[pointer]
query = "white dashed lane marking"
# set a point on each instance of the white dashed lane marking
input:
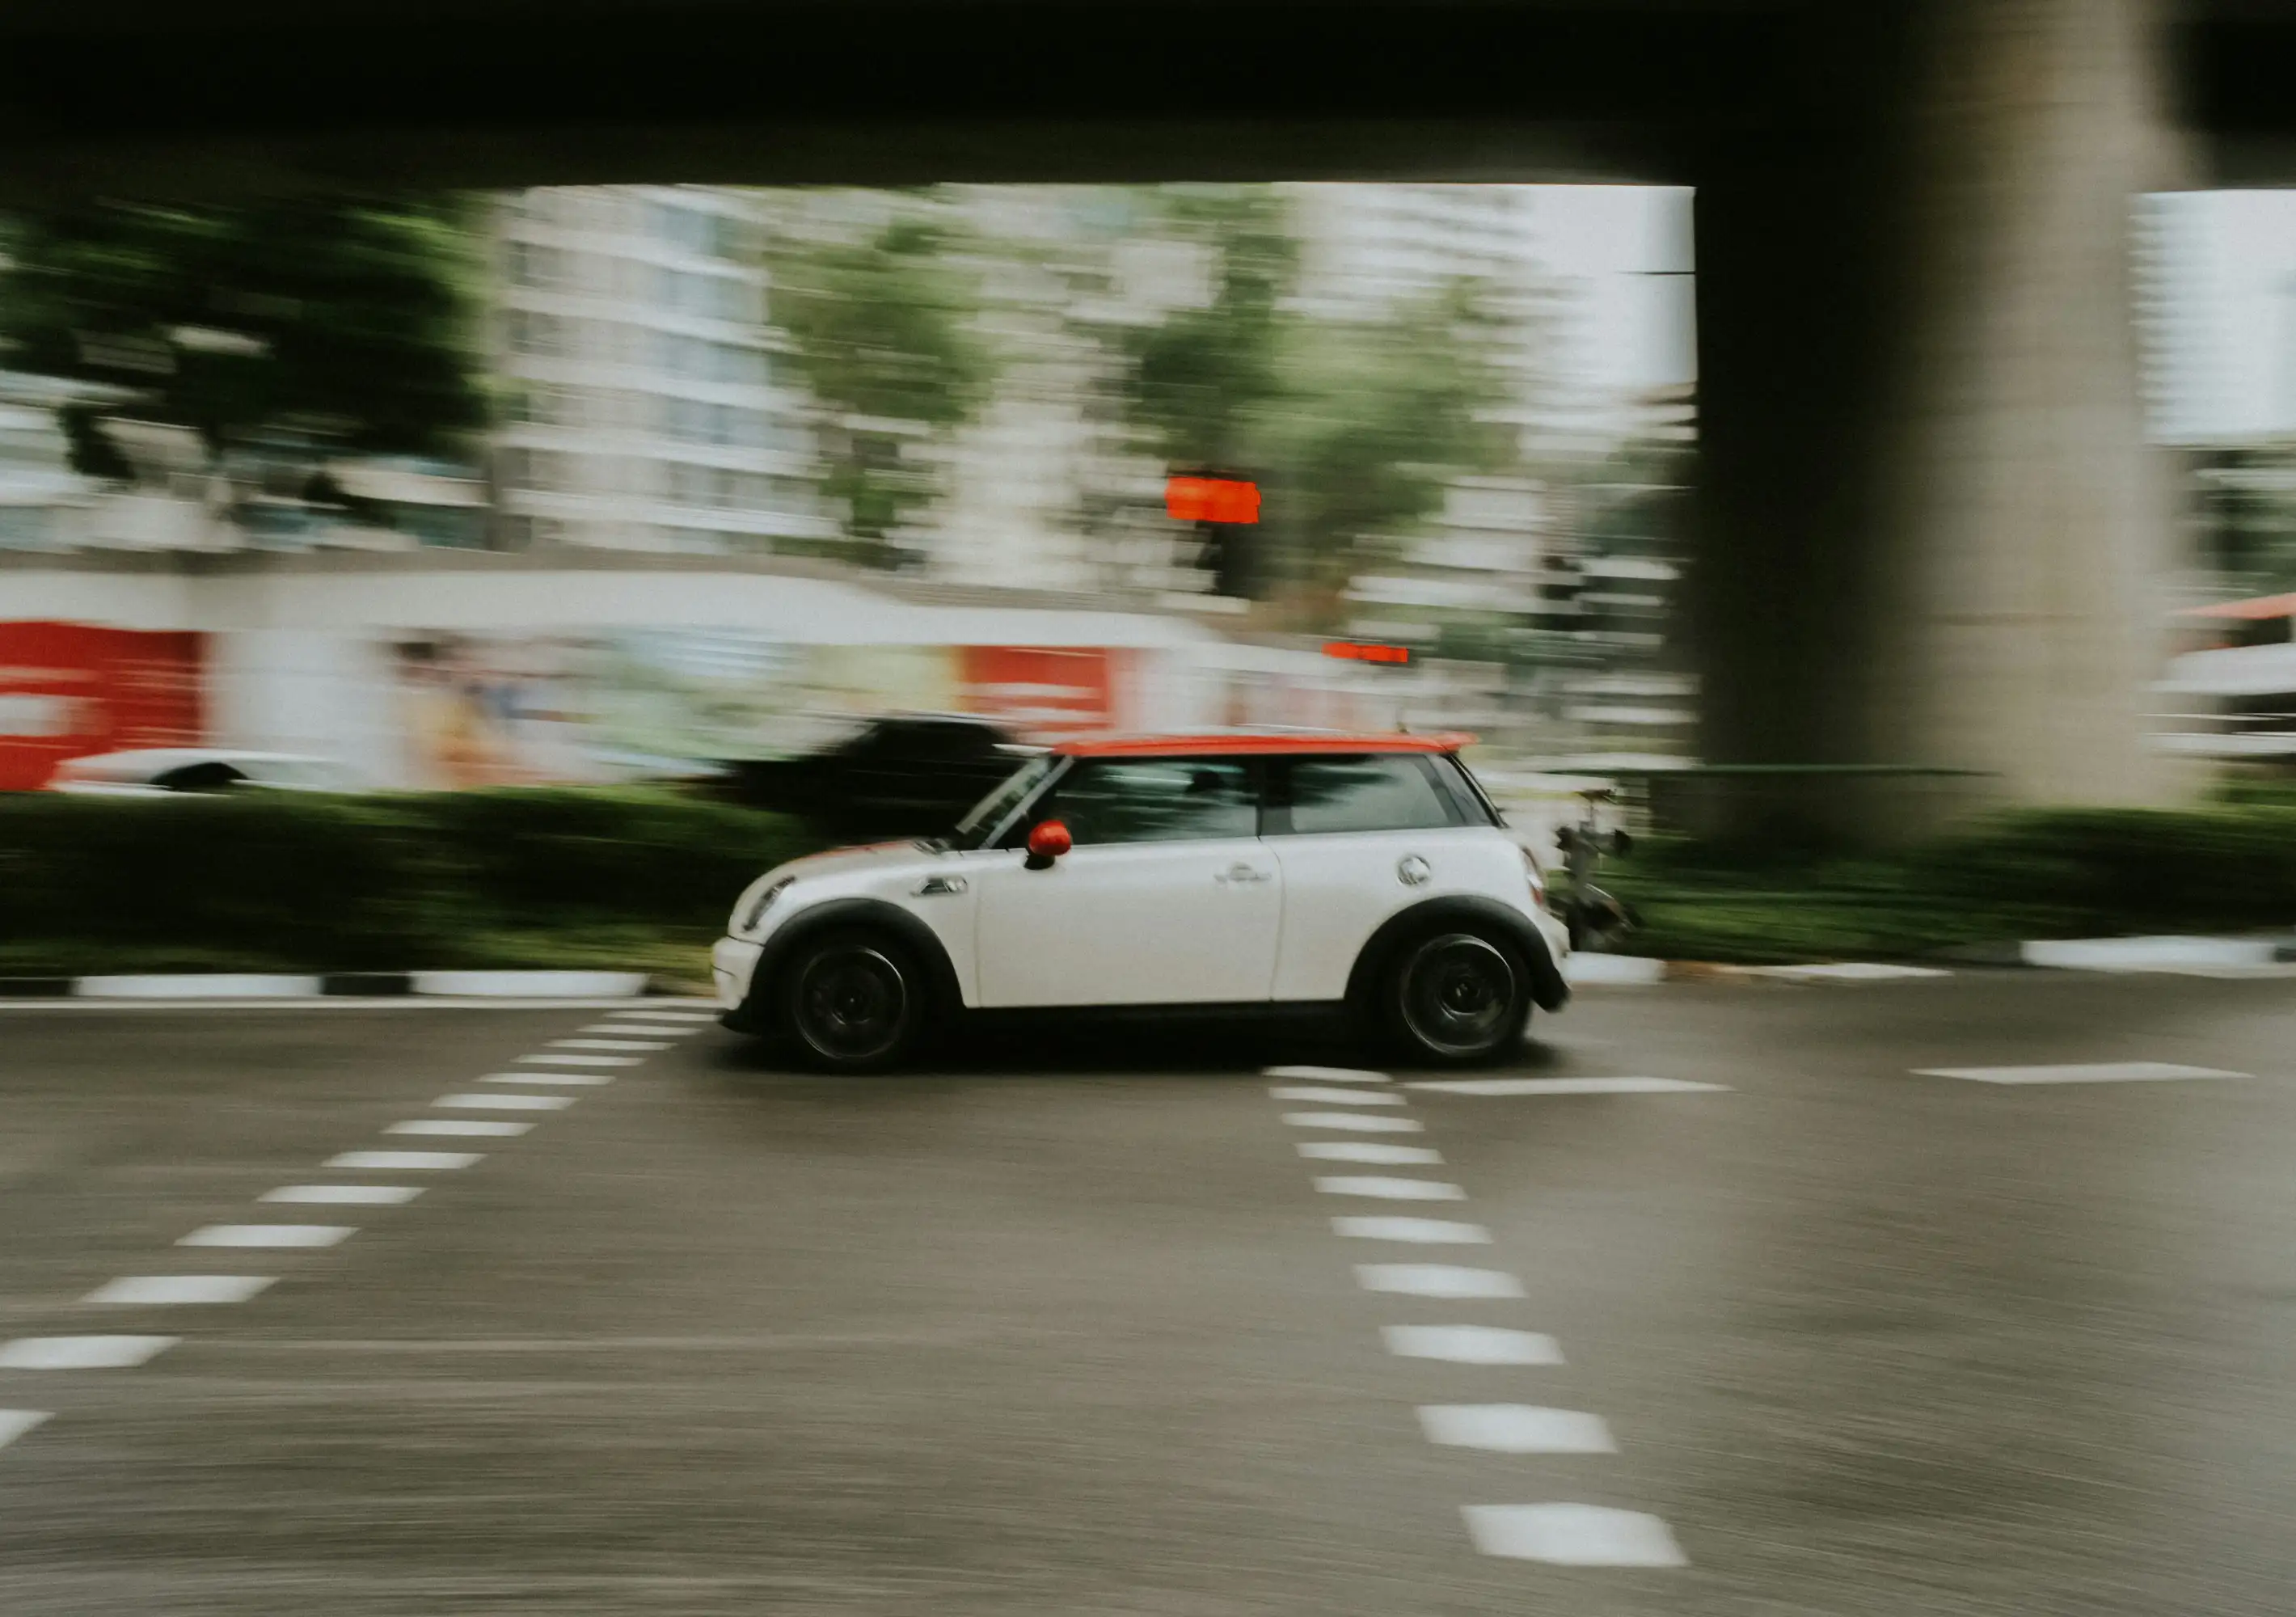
(1426, 1232)
(1358, 1123)
(1367, 1151)
(1566, 1086)
(404, 1161)
(2093, 1073)
(82, 1352)
(1573, 1535)
(1516, 1429)
(582, 1061)
(570, 1079)
(1436, 1280)
(170, 1290)
(1326, 1075)
(1471, 1344)
(607, 1043)
(470, 1128)
(696, 1017)
(1388, 1189)
(666, 1030)
(15, 1423)
(344, 1196)
(1337, 1097)
(503, 1101)
(270, 1235)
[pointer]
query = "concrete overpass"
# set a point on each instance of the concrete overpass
(1929, 523)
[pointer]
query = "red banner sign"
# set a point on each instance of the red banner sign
(70, 689)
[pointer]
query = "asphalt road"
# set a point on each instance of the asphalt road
(1068, 1327)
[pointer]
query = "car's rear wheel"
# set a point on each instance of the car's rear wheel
(1459, 997)
(852, 1001)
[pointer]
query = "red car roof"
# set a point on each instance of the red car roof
(1172, 746)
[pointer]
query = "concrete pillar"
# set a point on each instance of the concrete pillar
(1932, 526)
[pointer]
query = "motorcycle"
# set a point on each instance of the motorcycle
(1597, 918)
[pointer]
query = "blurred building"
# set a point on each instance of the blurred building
(647, 409)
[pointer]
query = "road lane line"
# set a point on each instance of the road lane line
(394, 1162)
(493, 1101)
(1573, 1535)
(1337, 1097)
(270, 1235)
(1367, 1151)
(2078, 1072)
(1471, 1344)
(470, 1127)
(583, 1060)
(1426, 1232)
(1382, 1186)
(609, 1044)
(1436, 1280)
(569, 1079)
(1355, 1122)
(666, 1030)
(15, 1423)
(170, 1290)
(1516, 1429)
(82, 1352)
(1327, 1075)
(344, 1196)
(1566, 1086)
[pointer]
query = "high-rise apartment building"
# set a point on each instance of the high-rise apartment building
(646, 406)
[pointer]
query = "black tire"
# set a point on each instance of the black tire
(1456, 995)
(852, 1000)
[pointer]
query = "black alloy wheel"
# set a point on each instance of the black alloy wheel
(852, 1003)
(1460, 997)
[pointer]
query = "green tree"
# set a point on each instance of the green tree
(1353, 427)
(302, 326)
(883, 329)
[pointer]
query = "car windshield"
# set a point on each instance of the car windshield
(977, 827)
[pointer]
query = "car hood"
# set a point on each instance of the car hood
(844, 861)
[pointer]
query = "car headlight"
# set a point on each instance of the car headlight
(756, 912)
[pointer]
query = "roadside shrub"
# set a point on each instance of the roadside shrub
(362, 882)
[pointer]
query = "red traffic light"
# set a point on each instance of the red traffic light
(1211, 499)
(1353, 653)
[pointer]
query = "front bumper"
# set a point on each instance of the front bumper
(733, 962)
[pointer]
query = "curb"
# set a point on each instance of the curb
(364, 985)
(2127, 954)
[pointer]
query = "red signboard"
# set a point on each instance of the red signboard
(70, 689)
(1211, 499)
(1353, 653)
(1048, 692)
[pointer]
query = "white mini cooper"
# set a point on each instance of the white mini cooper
(1364, 874)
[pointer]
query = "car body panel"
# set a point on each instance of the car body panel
(1338, 887)
(1177, 923)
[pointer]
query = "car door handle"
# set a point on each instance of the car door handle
(1241, 873)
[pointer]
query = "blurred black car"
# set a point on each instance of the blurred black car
(903, 774)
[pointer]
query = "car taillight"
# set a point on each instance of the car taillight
(1530, 872)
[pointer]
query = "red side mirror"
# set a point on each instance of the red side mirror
(1047, 840)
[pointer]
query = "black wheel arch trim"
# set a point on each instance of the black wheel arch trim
(1548, 990)
(943, 993)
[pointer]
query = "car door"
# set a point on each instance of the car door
(1168, 897)
(1358, 837)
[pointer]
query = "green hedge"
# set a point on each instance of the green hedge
(2054, 873)
(379, 882)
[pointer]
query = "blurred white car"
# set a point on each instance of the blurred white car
(1367, 875)
(159, 771)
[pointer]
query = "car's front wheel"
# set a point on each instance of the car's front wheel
(1457, 998)
(852, 1002)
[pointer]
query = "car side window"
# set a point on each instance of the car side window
(1371, 792)
(1155, 800)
